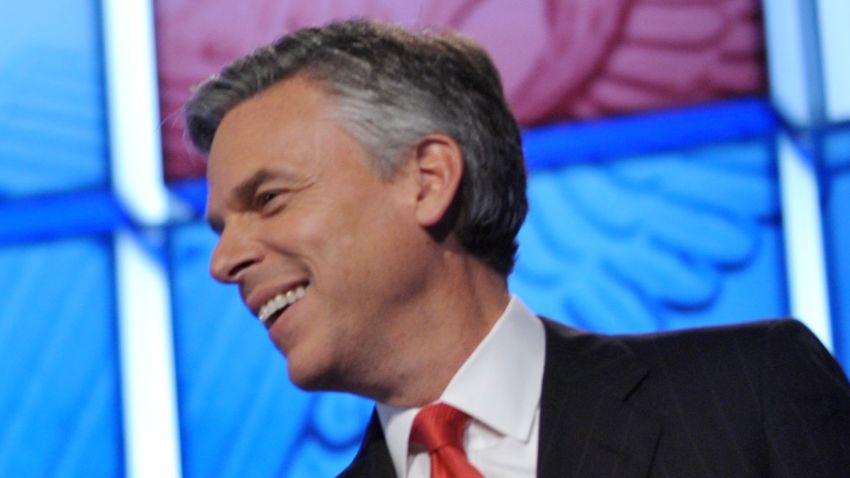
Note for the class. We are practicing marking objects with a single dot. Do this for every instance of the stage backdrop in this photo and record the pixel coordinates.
(657, 202)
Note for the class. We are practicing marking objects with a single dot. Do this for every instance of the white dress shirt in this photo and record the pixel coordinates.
(499, 386)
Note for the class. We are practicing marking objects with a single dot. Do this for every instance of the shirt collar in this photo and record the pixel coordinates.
(499, 385)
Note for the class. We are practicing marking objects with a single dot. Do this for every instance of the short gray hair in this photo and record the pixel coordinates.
(392, 87)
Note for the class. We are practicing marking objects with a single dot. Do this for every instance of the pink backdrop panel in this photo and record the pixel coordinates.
(559, 59)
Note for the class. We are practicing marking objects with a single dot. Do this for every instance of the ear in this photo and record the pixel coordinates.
(439, 164)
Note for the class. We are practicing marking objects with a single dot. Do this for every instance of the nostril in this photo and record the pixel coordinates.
(229, 269)
(234, 271)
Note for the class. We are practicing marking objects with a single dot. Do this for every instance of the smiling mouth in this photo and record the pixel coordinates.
(279, 303)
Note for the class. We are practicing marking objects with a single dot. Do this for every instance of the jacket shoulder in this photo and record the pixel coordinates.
(767, 392)
(742, 342)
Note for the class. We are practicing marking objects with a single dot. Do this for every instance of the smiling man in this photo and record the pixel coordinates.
(367, 184)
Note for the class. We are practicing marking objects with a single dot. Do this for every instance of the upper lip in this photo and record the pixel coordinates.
(257, 298)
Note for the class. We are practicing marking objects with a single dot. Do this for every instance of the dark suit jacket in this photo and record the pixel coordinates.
(758, 400)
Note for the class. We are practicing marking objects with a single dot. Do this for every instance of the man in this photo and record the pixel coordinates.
(367, 184)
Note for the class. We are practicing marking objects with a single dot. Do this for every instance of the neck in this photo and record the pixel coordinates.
(444, 327)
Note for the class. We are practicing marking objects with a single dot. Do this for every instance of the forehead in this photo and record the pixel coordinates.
(288, 125)
(281, 115)
(289, 128)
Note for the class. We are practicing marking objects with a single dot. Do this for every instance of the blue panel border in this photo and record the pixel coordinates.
(571, 143)
(60, 215)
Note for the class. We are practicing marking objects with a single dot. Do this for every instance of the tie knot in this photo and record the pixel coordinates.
(439, 425)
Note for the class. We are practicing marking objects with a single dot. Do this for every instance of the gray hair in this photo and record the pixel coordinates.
(391, 87)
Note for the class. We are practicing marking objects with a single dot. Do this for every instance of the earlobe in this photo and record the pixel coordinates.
(439, 163)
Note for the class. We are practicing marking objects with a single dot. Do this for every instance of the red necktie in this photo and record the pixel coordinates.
(439, 428)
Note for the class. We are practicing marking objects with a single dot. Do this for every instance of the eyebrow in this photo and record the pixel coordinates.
(247, 188)
(244, 191)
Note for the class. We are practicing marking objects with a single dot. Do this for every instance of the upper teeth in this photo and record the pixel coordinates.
(280, 302)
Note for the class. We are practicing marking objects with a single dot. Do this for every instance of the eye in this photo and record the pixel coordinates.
(264, 198)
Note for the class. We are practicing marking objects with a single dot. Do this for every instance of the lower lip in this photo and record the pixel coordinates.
(285, 316)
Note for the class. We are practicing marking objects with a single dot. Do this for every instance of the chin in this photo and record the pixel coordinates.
(313, 377)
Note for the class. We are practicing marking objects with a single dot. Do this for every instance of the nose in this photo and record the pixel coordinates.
(233, 255)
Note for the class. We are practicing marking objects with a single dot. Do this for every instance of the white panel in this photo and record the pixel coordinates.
(787, 64)
(152, 446)
(803, 240)
(133, 109)
(834, 29)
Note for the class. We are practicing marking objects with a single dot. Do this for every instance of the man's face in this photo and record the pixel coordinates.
(301, 212)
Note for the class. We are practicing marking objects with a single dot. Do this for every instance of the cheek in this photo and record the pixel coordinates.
(329, 240)
(355, 238)
(337, 227)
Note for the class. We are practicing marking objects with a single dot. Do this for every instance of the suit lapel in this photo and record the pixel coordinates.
(373, 458)
(586, 427)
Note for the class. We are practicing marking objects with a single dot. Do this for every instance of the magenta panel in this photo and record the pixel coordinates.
(559, 59)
